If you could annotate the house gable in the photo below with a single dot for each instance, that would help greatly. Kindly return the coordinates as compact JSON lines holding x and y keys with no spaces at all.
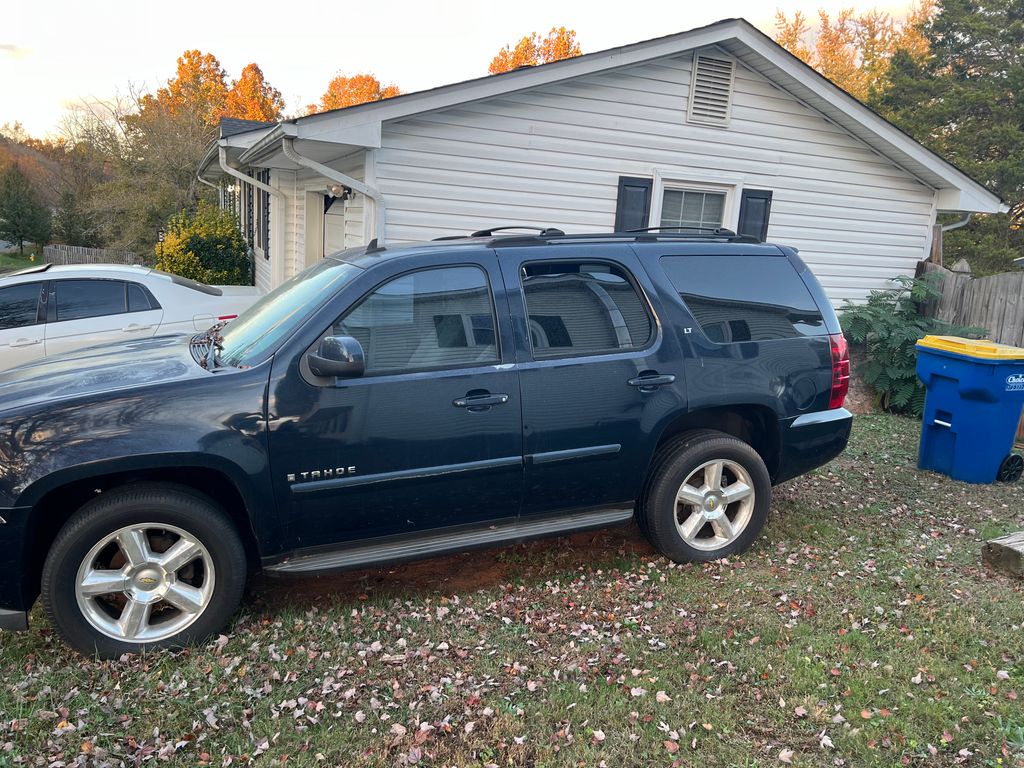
{"x":553,"y":155}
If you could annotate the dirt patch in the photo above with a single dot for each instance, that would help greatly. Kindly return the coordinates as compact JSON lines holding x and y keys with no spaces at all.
{"x":450,"y":574}
{"x":861,"y":398}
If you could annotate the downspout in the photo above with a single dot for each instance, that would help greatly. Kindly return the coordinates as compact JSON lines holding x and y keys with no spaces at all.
{"x":373,"y":193}
{"x":223,"y":157}
{"x":966,"y":217}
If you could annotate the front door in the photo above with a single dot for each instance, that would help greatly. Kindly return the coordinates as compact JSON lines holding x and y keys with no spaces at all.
{"x":334,"y":226}
{"x":597,"y":372}
{"x":21,"y":324}
{"x":429,"y":437}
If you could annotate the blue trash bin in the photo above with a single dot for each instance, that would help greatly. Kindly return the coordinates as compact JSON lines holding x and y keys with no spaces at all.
{"x":975,"y":392}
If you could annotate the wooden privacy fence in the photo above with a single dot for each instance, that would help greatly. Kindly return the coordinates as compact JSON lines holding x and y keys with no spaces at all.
{"x":76,"y":254}
{"x":995,"y":303}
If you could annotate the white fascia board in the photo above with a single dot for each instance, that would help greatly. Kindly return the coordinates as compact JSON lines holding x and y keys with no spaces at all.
{"x":268,"y":143}
{"x":975,"y":194}
{"x":952,"y":199}
{"x":365,"y":134}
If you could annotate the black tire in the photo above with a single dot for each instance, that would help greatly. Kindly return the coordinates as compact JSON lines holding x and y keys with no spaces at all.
{"x":672,"y":465}
{"x":143,"y":503}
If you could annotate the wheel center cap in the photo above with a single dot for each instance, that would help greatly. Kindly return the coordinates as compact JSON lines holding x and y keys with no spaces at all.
{"x":713,"y":507}
{"x":148,"y":580}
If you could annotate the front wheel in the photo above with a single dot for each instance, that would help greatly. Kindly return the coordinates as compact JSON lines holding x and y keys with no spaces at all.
{"x":708,"y":497}
{"x":144,"y":566}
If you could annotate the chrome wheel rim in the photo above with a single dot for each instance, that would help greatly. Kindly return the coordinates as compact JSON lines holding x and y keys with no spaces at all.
{"x":714,"y":504}
{"x":145,"y":583}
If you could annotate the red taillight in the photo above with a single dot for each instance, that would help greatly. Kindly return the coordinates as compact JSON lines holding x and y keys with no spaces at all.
{"x":840,"y":370}
{"x":224,"y":318}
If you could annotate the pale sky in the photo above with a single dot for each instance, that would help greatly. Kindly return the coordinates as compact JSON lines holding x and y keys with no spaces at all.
{"x":57,"y":52}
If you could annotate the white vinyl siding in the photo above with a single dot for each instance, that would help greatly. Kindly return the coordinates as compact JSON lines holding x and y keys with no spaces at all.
{"x":352,"y":209}
{"x":552,"y":156}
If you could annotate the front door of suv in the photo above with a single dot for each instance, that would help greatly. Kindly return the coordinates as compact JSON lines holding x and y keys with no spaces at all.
{"x":598,"y":373}
{"x":430,"y":436}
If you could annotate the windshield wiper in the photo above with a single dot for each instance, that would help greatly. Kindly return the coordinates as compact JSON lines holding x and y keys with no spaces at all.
{"x":205,"y":346}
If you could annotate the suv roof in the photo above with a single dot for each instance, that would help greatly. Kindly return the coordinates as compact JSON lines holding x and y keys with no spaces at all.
{"x":725,"y":242}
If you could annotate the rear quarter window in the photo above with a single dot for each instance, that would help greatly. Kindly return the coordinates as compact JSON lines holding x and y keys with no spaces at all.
{"x":738,"y":298}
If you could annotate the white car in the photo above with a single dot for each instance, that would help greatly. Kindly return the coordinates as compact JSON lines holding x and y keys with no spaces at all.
{"x":48,"y":310}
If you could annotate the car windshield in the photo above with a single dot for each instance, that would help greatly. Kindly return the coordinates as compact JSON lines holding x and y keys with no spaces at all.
{"x":254,"y":335}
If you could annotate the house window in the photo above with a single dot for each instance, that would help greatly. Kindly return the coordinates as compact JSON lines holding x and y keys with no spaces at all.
{"x":693,"y":209}
{"x":263,"y":214}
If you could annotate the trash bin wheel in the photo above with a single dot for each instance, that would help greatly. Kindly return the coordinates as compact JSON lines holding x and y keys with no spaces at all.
{"x":1011,"y":468}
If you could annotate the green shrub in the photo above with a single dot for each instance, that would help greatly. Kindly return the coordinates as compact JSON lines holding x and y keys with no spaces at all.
{"x":888,"y":325}
{"x":205,"y":246}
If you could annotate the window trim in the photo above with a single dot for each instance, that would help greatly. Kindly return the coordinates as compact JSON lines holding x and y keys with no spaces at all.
{"x":369,"y":375}
{"x":729,"y":184}
{"x":645,"y":301}
{"x":41,"y":294}
{"x":51,"y":298}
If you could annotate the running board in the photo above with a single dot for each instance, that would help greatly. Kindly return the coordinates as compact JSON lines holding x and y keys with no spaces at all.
{"x":436,"y":543}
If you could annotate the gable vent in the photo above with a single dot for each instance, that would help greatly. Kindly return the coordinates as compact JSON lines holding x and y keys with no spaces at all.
{"x":710,"y":89}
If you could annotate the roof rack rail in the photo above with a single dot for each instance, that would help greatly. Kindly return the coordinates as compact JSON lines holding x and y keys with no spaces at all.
{"x":543,"y":231}
{"x":715,"y":231}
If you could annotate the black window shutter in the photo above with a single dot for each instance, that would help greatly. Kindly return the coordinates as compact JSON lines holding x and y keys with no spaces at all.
{"x":755,"y":208}
{"x":633,"y":208}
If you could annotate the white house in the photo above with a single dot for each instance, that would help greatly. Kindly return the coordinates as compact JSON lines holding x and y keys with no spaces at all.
{"x":717,"y":126}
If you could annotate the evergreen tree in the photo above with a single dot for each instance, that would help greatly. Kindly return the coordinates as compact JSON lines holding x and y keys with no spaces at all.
{"x":74,"y":224}
{"x":22,"y":214}
{"x":966,"y":102}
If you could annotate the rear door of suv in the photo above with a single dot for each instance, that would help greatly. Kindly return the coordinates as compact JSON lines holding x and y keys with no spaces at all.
{"x":598,"y":374}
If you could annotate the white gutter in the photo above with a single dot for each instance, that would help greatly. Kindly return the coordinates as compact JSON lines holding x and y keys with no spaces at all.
{"x":373,"y":193}
{"x":223,"y":157}
{"x":207,"y":183}
{"x":965,"y":217}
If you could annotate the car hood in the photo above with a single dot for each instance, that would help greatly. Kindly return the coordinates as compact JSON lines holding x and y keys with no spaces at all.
{"x":94,"y":370}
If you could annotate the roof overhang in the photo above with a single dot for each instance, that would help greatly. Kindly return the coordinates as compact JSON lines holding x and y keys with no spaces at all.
{"x":330,"y":135}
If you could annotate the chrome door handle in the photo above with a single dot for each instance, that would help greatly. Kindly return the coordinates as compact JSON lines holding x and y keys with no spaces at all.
{"x":478,"y":403}
{"x":650,"y":383}
{"x":25,"y":342}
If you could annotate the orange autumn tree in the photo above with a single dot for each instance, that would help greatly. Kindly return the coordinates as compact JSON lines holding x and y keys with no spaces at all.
{"x":853,"y":50}
{"x":199,"y":87}
{"x":559,"y":44}
{"x":252,"y":98}
{"x":347,"y":91}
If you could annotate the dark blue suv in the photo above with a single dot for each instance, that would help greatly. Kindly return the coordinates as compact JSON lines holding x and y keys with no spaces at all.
{"x":396,"y":403}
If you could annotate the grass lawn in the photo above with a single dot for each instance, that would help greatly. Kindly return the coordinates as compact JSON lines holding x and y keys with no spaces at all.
{"x":11,"y":261}
{"x":860,"y":630}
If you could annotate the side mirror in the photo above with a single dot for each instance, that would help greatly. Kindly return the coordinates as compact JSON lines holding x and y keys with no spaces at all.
{"x":337,"y":356}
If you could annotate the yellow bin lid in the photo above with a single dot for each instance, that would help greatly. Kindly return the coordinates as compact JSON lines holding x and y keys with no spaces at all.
{"x":980,"y":348}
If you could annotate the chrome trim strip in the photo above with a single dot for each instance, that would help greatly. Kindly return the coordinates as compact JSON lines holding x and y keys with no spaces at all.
{"x":404,"y":474}
{"x":549,"y":457}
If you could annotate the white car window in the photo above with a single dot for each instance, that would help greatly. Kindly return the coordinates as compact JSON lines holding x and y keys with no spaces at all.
{"x":79,"y":299}
{"x":19,"y":305}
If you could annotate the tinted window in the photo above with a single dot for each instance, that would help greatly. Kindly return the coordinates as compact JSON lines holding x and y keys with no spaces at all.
{"x":19,"y":305}
{"x":436,"y":318}
{"x":138,"y":299}
{"x":79,"y":299}
{"x":744,"y":298}
{"x":578,"y":308}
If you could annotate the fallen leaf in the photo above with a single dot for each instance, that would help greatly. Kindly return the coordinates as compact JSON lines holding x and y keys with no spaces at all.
{"x":671,"y":746}
{"x":800,"y":711}
{"x":786,"y":756}
{"x":1002,"y":674}
{"x":598,"y":735}
{"x":662,"y":698}
{"x":398,"y":729}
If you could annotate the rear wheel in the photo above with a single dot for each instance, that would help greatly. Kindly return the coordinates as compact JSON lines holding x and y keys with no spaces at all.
{"x":145,"y":566}
{"x":708,"y":497}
